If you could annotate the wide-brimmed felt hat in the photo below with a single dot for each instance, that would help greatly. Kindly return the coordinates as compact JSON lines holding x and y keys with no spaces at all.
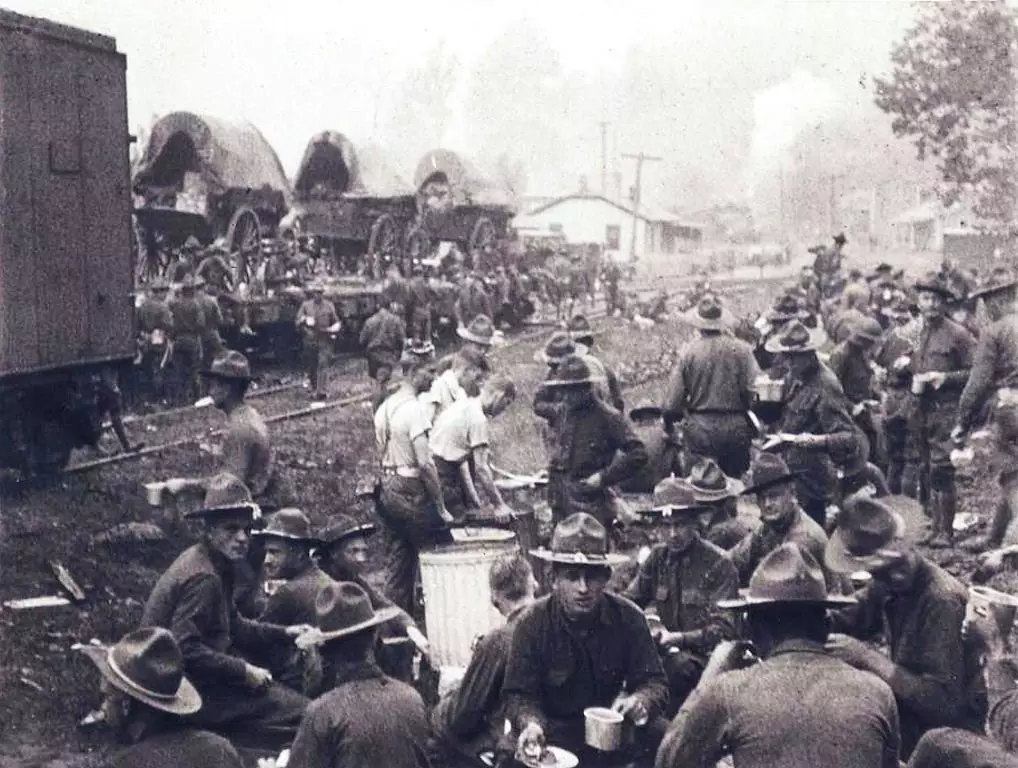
{"x":343,"y":608}
{"x":938,"y":283}
{"x":787,"y":576}
{"x":480,"y":330}
{"x":291,"y":524}
{"x":840,"y":238}
{"x":227,"y":495}
{"x":795,"y":337}
{"x":574,"y":371}
{"x":710,"y":484}
{"x":768,"y":471}
{"x":646,"y":409}
{"x":579,"y":540}
{"x":416,"y":352}
{"x":866,"y":333}
{"x":867,"y":531}
{"x":579,"y":327}
{"x":708,"y":314}
{"x":993,"y":289}
{"x":229,"y":365}
{"x":881,"y":271}
{"x":559,"y":347}
{"x":674,"y":497}
{"x":148,"y":666}
{"x":342,"y":528}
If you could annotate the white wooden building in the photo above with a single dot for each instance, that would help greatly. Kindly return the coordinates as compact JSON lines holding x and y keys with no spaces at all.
{"x":594,"y":219}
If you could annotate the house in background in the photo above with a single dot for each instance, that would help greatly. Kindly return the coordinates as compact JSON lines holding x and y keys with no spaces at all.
{"x":595,"y":219}
{"x":923,"y":227}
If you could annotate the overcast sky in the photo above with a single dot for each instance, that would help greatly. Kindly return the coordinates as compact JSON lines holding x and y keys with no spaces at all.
{"x":295,"y":67}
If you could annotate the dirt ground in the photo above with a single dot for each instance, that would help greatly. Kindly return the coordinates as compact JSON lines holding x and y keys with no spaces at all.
{"x":45,"y":689}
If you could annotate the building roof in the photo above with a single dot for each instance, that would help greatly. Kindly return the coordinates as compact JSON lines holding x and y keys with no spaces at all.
{"x":646,"y":212}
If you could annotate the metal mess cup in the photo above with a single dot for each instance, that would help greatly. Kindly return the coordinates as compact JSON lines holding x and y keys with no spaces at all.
{"x":988,"y":602}
{"x":602,"y":729}
{"x":154,"y":493}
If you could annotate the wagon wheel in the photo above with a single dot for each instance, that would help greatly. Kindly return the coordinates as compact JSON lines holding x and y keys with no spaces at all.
{"x":243,"y":238}
{"x":482,"y":238}
{"x":384,"y":239}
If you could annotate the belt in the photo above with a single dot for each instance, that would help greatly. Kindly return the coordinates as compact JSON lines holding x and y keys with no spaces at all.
{"x":410,"y":472}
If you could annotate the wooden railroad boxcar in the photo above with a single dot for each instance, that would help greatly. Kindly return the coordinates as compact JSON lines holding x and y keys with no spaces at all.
{"x":66,"y":272}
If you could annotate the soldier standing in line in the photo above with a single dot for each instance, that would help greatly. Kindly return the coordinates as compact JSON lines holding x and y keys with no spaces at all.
{"x":422,"y":305}
{"x":318,"y":322}
{"x":383,"y":337}
{"x":608,"y":387}
{"x":188,"y":330}
{"x":215,"y":270}
{"x":940,"y":370}
{"x":155,"y":329}
{"x":610,"y":278}
{"x":211,"y":341}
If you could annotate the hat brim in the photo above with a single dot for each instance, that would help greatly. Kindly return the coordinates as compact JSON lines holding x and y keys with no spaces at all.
{"x":467,"y":335}
{"x":573,"y":382}
{"x":765,"y":486}
{"x":816,"y":341}
{"x":589,"y":333}
{"x":311,"y":541}
{"x":363,"y":530}
{"x":838,"y":558}
{"x":210,"y":374}
{"x":253,"y":511}
{"x":186,"y":701}
{"x":540,"y":356}
{"x":946,"y":293}
{"x":665,"y":511}
{"x":993,"y":290}
{"x":747,"y":601}
{"x":721,"y":323}
{"x":381,"y":616}
{"x":646,"y":412}
{"x":579,"y":558}
{"x":732,"y":489}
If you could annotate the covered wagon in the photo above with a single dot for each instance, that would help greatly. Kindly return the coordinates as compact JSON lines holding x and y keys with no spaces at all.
{"x":203,"y":177}
{"x":351,"y":202}
{"x":457,"y":203}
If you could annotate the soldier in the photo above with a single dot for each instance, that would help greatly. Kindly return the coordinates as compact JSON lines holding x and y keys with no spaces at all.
{"x":185,"y":261}
{"x":473,"y":300}
{"x":611,"y":276}
{"x":211,"y":341}
{"x":712,"y":390}
{"x":318,"y":322}
{"x":155,"y":329}
{"x":189,"y":327}
{"x":940,"y":370}
{"x":595,"y":448}
{"x":816,"y":423}
{"x":995,"y":371}
{"x":215,"y":270}
{"x":664,"y":452}
{"x":828,"y":261}
{"x":288,"y":541}
{"x":383,"y":337}
{"x":851,"y":363}
{"x":110,"y":401}
{"x":855,"y":305}
{"x":608,"y":388}
{"x":422,"y":305}
{"x":276,"y":266}
{"x":684,"y":578}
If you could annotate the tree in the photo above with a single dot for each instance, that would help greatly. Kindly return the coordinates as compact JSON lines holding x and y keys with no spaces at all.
{"x":952,"y":92}
{"x":418,"y":116}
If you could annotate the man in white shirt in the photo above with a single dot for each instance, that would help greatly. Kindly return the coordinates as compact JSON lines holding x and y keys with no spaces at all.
{"x":460,"y":444}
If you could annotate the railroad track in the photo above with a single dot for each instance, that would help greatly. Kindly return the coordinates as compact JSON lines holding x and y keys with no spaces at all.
{"x":535,"y":331}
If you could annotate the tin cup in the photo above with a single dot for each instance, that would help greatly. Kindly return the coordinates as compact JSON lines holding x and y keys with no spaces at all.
{"x":1000,"y":606}
{"x":154,"y":493}
{"x":602,"y":729}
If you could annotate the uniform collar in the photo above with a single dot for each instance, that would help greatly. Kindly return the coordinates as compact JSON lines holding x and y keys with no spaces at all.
{"x":797,"y":645}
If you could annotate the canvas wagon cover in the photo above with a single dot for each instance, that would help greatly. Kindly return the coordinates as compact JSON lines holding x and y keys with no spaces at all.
{"x":332,"y":163}
{"x":467,"y":185}
{"x":230,"y":154}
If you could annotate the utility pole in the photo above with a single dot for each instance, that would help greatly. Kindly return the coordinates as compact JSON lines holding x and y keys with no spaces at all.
{"x":604,"y":158}
{"x":639,"y":158}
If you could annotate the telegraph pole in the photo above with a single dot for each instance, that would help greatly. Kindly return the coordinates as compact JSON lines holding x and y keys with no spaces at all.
{"x":639,"y":158}
{"x":604,"y":158}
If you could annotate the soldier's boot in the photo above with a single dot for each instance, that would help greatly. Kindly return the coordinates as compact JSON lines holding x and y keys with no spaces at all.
{"x":947,"y":505}
{"x":932,"y":510}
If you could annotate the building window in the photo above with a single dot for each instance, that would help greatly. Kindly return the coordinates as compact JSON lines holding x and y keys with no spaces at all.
{"x":612,"y":237}
{"x":555,"y":227}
